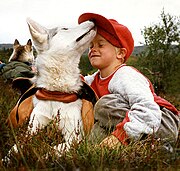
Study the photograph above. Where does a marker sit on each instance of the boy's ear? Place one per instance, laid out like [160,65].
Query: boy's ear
[121,53]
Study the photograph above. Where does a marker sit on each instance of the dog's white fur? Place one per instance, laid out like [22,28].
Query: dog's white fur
[59,51]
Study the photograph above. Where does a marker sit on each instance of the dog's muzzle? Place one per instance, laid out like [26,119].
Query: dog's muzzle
[79,38]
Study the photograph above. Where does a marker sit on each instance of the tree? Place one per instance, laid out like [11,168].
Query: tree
[161,58]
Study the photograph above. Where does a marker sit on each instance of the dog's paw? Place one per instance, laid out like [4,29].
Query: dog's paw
[7,159]
[56,151]
[61,148]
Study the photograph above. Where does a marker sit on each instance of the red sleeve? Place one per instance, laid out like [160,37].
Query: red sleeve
[120,132]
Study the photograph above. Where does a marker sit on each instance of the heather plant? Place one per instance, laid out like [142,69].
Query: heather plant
[36,151]
[87,156]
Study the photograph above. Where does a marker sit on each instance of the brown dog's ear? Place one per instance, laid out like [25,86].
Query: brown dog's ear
[14,54]
[29,42]
[16,42]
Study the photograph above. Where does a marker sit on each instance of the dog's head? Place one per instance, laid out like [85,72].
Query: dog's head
[22,53]
[61,40]
[59,51]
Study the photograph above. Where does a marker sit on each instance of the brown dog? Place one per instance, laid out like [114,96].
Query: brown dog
[22,53]
[20,65]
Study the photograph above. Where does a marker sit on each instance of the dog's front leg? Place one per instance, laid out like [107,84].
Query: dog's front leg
[40,116]
[38,122]
[69,138]
[71,126]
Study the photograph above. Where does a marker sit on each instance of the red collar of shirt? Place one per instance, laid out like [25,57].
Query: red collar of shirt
[100,86]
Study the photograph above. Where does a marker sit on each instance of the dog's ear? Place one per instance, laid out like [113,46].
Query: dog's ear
[16,43]
[14,55]
[28,46]
[39,34]
[29,42]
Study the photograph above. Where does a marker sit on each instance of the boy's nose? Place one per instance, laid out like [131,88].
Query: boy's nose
[94,48]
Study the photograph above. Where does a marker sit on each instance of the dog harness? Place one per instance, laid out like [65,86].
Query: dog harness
[23,108]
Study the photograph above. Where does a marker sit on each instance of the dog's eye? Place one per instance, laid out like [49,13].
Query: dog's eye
[64,28]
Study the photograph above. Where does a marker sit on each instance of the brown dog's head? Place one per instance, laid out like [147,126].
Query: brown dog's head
[22,53]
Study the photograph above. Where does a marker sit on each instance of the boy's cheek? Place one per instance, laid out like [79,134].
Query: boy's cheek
[89,53]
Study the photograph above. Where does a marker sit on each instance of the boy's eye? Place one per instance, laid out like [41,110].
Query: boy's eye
[100,45]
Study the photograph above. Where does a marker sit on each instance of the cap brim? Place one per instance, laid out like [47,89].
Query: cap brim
[99,21]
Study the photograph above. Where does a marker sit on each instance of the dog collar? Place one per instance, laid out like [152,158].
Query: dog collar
[43,94]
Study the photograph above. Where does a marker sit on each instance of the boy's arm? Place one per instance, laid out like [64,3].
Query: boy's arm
[144,115]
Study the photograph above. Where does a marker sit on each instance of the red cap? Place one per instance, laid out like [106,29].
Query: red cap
[117,34]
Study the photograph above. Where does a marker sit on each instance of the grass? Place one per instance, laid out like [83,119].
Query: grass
[33,150]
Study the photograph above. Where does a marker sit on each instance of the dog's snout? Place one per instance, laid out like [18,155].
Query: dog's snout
[92,20]
[80,37]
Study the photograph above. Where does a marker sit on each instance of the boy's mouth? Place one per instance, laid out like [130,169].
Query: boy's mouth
[93,56]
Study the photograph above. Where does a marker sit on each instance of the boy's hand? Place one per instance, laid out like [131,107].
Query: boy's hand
[111,142]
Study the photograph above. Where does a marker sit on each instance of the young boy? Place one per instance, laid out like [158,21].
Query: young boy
[127,107]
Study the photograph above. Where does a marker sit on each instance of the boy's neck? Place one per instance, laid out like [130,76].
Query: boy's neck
[104,73]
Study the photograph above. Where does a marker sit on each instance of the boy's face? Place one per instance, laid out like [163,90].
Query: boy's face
[102,54]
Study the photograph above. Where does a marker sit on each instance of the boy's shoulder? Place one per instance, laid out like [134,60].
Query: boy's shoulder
[128,72]
[127,69]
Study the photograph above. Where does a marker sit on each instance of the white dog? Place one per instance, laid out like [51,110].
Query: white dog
[58,80]
[59,51]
